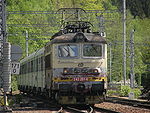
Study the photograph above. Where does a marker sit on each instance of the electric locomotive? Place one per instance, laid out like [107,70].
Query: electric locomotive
[71,68]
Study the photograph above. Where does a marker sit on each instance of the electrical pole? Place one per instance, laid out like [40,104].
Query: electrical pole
[27,38]
[110,62]
[5,61]
[132,59]
[124,41]
[101,25]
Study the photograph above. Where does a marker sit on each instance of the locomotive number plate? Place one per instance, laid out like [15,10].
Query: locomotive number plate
[80,79]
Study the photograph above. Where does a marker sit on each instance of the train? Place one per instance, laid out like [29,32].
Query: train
[71,68]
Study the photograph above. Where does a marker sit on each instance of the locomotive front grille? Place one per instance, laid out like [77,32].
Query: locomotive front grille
[65,88]
[97,87]
[80,87]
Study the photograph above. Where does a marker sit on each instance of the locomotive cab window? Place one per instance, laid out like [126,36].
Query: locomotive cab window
[68,51]
[92,50]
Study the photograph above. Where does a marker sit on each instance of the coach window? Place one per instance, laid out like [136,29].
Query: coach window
[68,50]
[39,64]
[25,68]
[42,63]
[36,64]
[29,67]
[92,50]
[20,69]
[32,66]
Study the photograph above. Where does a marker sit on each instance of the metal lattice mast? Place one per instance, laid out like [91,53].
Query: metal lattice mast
[124,41]
[2,40]
[5,61]
[2,36]
[101,25]
[132,59]
[110,62]
[27,51]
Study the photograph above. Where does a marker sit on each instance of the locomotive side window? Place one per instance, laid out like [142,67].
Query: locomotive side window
[92,50]
[67,51]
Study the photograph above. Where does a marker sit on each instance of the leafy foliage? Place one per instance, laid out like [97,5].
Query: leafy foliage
[14,83]
[125,90]
[112,92]
[137,92]
[138,8]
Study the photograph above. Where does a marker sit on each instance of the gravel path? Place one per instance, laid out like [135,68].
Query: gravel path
[122,108]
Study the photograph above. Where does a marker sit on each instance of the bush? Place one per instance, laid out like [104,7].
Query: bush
[137,92]
[124,91]
[111,92]
[14,83]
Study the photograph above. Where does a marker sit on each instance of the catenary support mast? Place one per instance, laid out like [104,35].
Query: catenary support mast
[132,76]
[5,61]
[124,41]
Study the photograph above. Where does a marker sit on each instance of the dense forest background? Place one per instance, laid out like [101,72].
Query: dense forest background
[138,18]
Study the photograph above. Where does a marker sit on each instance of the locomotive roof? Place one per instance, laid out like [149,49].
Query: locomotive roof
[79,37]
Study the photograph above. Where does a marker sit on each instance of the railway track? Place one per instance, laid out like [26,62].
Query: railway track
[85,109]
[30,103]
[103,110]
[134,103]
[75,109]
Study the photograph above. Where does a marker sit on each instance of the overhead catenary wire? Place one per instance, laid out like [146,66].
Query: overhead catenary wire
[29,25]
[58,12]
[113,42]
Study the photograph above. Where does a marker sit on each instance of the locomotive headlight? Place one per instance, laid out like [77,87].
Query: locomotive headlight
[95,71]
[76,70]
[84,70]
[65,71]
